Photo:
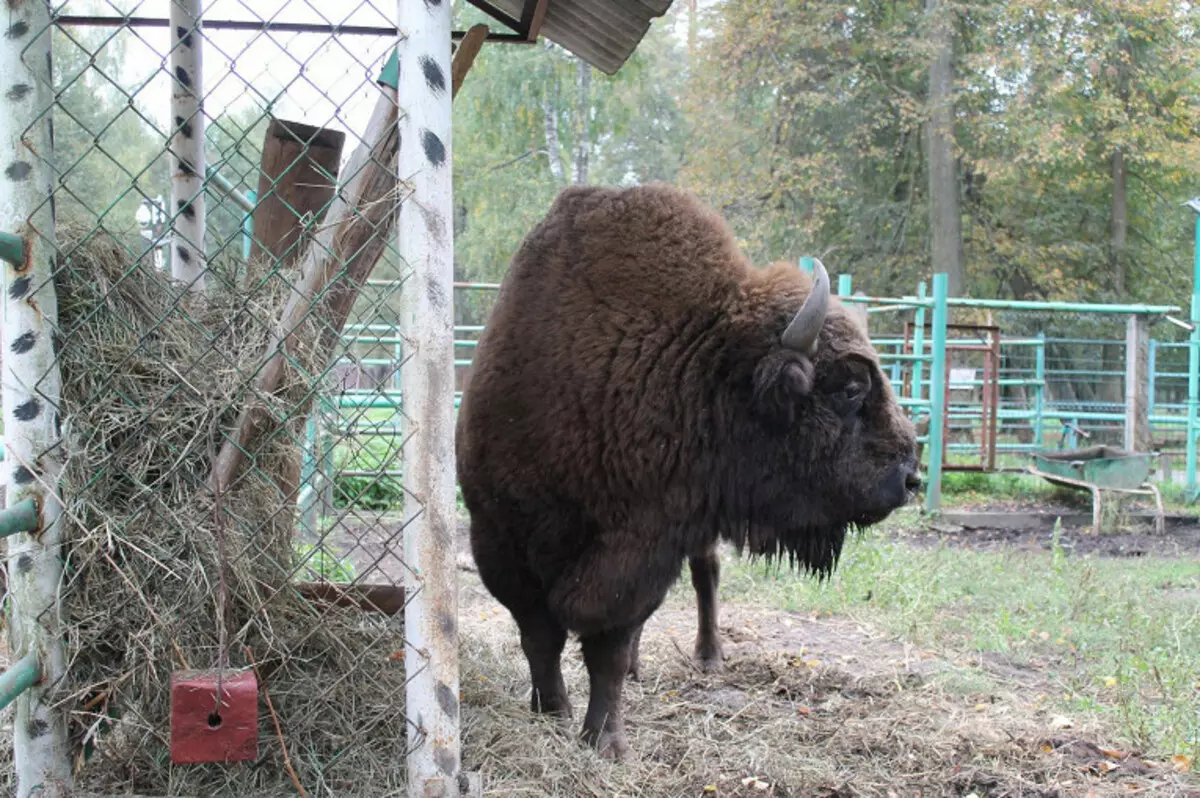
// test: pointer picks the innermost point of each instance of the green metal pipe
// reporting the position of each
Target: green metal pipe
(248, 225)
(25, 673)
(1039, 399)
(844, 283)
(807, 264)
(1022, 304)
(21, 517)
(12, 249)
(937, 384)
(1193, 400)
(1151, 358)
(223, 183)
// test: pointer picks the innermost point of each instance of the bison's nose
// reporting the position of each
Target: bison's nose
(912, 480)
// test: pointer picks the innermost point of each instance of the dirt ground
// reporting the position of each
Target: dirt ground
(1177, 541)
(806, 706)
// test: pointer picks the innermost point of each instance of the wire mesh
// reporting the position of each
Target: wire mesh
(290, 566)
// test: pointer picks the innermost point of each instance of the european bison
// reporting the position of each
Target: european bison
(641, 392)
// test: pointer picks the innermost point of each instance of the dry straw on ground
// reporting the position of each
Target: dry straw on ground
(150, 380)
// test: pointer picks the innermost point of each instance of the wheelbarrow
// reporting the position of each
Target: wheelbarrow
(1100, 468)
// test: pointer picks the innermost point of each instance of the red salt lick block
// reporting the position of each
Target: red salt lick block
(200, 735)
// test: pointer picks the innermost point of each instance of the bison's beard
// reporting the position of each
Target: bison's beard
(813, 549)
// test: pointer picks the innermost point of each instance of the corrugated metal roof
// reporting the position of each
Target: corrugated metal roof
(602, 32)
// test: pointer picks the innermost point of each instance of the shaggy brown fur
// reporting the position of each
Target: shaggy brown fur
(631, 404)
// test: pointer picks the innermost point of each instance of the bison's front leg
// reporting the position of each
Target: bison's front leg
(607, 658)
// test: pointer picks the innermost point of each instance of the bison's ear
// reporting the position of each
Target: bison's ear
(782, 378)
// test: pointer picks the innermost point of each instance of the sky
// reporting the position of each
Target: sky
(313, 78)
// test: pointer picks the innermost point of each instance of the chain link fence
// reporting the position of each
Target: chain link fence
(220, 230)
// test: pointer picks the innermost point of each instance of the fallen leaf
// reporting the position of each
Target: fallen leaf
(1112, 753)
(1110, 682)
(980, 707)
(710, 788)
(1107, 767)
(803, 710)
(1060, 722)
(396, 655)
(1182, 763)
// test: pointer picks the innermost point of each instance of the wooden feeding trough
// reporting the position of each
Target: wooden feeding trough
(1100, 468)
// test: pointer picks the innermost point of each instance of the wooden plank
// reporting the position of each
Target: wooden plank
(343, 252)
(388, 599)
(297, 178)
(464, 56)
(532, 16)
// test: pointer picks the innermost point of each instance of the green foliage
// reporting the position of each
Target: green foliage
(376, 491)
(319, 565)
(809, 125)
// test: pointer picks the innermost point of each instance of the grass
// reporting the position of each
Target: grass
(1115, 638)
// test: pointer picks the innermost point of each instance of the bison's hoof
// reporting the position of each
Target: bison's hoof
(613, 746)
(709, 657)
(634, 674)
(554, 706)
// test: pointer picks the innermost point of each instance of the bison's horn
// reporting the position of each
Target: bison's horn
(801, 334)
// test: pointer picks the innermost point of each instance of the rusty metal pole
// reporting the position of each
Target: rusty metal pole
(425, 242)
(31, 381)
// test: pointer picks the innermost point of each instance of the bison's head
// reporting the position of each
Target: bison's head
(831, 448)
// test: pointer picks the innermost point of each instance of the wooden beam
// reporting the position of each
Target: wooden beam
(498, 15)
(464, 57)
(532, 16)
(387, 599)
(297, 177)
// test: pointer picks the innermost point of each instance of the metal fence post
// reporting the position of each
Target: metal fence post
(1193, 400)
(937, 393)
(1039, 401)
(426, 247)
(31, 395)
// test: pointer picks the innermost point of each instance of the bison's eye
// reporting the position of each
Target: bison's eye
(849, 400)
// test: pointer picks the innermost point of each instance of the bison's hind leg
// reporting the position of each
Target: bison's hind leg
(706, 576)
(607, 658)
(542, 640)
(499, 549)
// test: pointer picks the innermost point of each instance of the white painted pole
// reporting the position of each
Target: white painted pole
(187, 144)
(427, 249)
(31, 383)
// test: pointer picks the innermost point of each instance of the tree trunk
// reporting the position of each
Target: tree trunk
(583, 107)
(187, 145)
(550, 125)
(1120, 221)
(692, 24)
(945, 218)
(31, 397)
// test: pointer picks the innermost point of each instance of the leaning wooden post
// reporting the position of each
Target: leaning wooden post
(426, 247)
(31, 389)
(187, 144)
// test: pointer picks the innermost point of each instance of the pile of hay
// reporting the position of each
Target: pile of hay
(150, 380)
